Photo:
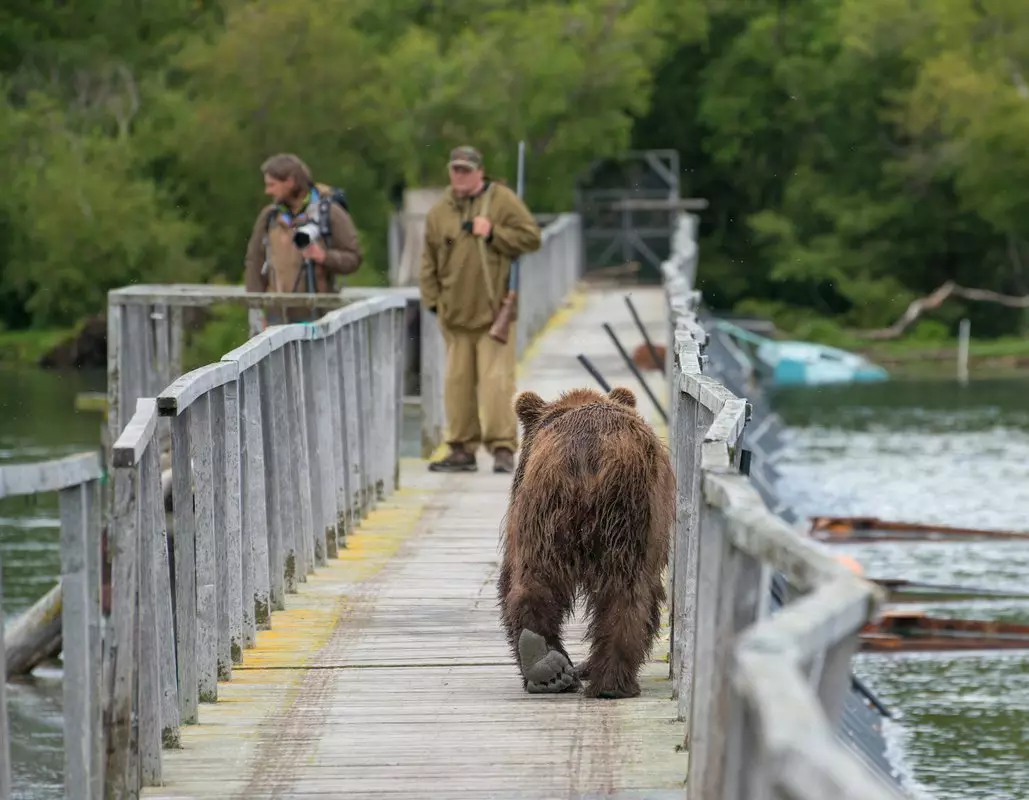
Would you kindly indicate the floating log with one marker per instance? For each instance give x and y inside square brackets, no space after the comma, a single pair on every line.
[35,636]
[907,631]
[904,591]
[834,530]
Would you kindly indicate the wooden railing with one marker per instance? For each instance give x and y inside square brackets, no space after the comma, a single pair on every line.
[278,451]
[145,326]
[77,480]
[761,693]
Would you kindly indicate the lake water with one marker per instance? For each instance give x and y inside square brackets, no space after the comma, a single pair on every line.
[916,451]
[932,452]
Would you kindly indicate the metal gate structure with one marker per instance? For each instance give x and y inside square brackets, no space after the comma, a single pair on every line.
[628,206]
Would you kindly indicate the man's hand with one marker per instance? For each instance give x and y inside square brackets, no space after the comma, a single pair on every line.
[482,227]
[315,252]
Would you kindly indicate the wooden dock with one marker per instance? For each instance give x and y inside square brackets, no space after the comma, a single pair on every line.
[320,617]
[388,676]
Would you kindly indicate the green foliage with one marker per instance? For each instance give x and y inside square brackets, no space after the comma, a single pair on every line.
[135,133]
[856,154]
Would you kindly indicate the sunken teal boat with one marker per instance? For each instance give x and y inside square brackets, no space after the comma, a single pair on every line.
[794,363]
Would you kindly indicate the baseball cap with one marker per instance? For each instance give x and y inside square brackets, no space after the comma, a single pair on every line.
[465,156]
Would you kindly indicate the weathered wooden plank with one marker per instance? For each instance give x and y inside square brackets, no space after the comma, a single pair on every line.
[271,339]
[349,377]
[232,572]
[285,462]
[139,432]
[148,714]
[79,684]
[300,463]
[206,551]
[184,520]
[255,515]
[18,480]
[121,655]
[188,388]
[160,566]
[362,359]
[321,472]
[219,461]
[271,425]
[337,424]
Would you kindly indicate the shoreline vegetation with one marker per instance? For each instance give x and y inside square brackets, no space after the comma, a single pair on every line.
[855,156]
[926,351]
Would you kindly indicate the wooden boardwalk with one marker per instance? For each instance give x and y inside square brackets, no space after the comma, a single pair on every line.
[388,676]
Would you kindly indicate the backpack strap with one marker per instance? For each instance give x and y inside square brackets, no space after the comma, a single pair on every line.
[324,210]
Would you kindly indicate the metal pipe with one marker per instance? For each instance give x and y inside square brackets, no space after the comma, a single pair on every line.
[643,333]
[629,363]
[593,371]
[869,695]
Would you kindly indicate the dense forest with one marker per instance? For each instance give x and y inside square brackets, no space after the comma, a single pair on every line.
[855,153]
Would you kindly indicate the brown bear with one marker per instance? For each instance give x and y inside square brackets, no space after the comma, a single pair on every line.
[590,513]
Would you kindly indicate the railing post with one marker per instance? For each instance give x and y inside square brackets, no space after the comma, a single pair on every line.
[164,649]
[216,402]
[256,518]
[349,378]
[321,467]
[122,656]
[365,401]
[231,575]
[185,567]
[201,453]
[398,349]
[272,425]
[308,547]
[716,590]
[79,595]
[337,420]
[149,713]
[693,421]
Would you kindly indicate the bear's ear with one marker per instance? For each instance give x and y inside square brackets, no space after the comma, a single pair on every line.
[623,396]
[529,406]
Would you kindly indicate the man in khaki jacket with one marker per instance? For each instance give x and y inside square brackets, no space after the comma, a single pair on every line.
[273,261]
[471,236]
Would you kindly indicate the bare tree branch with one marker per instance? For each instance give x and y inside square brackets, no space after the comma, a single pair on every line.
[935,300]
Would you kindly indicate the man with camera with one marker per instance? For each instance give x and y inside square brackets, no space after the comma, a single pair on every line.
[302,240]
[472,235]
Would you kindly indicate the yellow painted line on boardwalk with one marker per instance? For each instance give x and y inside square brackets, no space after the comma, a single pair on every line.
[272,672]
[576,300]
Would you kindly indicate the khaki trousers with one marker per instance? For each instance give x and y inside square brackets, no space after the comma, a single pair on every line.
[479,389]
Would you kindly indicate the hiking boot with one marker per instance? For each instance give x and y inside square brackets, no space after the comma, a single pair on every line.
[503,460]
[455,461]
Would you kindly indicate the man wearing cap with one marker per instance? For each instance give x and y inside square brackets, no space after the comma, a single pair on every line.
[472,235]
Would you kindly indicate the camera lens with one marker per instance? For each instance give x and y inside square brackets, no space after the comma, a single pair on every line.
[301,239]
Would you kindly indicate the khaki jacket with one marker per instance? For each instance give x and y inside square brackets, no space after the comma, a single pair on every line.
[285,263]
[452,279]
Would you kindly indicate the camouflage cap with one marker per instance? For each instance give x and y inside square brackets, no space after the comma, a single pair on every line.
[465,156]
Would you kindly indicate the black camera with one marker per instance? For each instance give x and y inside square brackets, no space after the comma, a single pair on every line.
[305,234]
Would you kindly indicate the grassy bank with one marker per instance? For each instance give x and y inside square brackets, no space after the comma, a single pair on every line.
[27,347]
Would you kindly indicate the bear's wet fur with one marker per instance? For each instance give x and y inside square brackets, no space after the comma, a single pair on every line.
[590,513]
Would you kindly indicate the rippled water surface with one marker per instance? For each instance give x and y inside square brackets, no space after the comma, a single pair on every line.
[932,452]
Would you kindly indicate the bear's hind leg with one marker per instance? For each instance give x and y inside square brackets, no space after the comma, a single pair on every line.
[621,632]
[534,614]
